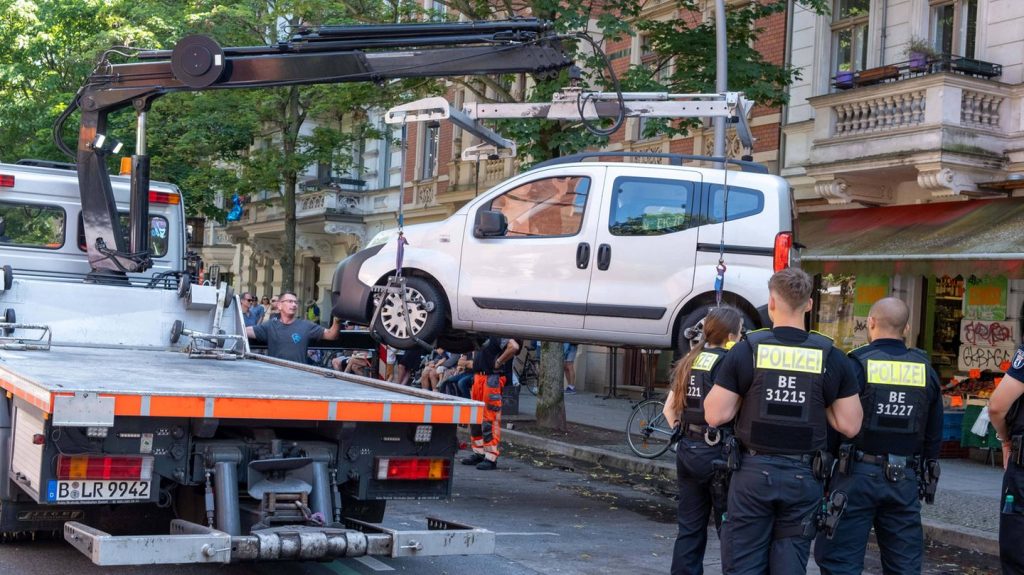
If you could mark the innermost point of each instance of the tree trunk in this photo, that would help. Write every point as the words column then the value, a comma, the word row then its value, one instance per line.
column 550, row 399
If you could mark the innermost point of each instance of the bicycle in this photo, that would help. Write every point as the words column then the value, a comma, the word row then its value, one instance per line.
column 527, row 370
column 647, row 432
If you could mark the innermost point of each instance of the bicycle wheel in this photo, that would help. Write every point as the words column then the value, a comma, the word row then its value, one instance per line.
column 647, row 432
column 526, row 371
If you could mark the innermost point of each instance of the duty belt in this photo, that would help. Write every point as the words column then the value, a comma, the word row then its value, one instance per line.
column 806, row 458
column 913, row 462
column 710, row 435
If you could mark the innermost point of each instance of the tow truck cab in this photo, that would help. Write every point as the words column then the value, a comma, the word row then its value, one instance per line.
column 41, row 210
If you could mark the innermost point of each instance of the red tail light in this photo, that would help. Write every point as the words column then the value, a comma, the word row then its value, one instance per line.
column 6, row 181
column 163, row 198
column 783, row 249
column 104, row 467
column 413, row 468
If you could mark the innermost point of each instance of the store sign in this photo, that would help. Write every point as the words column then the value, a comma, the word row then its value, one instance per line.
column 982, row 357
column 867, row 291
column 986, row 298
column 988, row 333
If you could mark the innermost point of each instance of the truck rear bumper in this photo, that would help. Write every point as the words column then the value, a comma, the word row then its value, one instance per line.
column 192, row 543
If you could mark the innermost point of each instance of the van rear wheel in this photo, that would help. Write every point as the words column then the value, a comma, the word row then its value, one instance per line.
column 422, row 318
column 691, row 331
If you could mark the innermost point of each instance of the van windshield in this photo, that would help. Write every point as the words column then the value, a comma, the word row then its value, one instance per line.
column 32, row 225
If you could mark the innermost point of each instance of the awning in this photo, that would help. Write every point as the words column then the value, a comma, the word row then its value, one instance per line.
column 981, row 237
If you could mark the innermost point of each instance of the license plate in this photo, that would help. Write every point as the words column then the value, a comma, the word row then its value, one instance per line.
column 97, row 490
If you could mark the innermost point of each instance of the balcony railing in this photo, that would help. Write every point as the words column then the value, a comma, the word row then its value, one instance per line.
column 917, row 67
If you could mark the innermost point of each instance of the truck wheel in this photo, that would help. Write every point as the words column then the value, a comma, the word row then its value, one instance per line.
column 426, row 311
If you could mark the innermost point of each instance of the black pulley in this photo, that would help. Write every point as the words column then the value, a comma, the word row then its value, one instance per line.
column 197, row 61
column 219, row 341
column 184, row 286
column 176, row 328
column 9, row 317
column 229, row 296
column 8, row 277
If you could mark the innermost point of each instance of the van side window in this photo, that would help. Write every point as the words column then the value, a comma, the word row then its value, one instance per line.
column 651, row 207
column 547, row 207
column 158, row 234
column 32, row 225
column 743, row 202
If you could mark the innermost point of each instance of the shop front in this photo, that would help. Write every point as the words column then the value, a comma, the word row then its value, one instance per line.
column 959, row 266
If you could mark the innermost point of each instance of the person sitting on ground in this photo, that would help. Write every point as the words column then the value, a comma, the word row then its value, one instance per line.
column 359, row 364
column 433, row 368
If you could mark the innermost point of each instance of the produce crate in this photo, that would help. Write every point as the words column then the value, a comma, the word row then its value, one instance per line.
column 952, row 425
column 953, row 450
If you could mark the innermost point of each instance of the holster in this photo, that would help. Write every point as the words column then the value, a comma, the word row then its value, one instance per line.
column 822, row 465
column 844, row 464
column 731, row 450
column 928, row 480
column 1016, row 456
column 895, row 468
column 721, row 475
column 832, row 508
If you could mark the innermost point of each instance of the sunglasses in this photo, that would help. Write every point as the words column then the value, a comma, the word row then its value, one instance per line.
column 250, row 299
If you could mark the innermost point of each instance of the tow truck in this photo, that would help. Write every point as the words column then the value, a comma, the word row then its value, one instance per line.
column 122, row 400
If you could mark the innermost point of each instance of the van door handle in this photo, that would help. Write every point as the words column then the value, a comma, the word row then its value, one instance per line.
column 604, row 256
column 582, row 255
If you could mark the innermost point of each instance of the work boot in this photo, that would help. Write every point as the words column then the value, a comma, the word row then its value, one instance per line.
column 474, row 459
column 487, row 465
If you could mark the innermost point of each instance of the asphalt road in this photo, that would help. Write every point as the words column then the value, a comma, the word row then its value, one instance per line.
column 550, row 517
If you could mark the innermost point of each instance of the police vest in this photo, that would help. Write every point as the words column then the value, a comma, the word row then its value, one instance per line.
column 702, row 377
column 783, row 412
column 895, row 401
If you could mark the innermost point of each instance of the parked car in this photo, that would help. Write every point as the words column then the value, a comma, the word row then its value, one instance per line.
column 613, row 253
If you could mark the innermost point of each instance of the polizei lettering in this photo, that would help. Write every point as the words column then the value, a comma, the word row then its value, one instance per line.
column 704, row 361
column 785, row 358
column 896, row 373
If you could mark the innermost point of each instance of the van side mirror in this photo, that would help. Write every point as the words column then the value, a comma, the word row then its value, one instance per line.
column 490, row 223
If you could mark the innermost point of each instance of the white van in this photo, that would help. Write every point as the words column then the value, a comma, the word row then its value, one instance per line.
column 610, row 253
column 41, row 207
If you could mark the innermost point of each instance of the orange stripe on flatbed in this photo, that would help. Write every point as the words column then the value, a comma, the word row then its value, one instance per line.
column 441, row 414
column 170, row 406
column 406, row 413
column 242, row 408
column 22, row 387
column 127, row 405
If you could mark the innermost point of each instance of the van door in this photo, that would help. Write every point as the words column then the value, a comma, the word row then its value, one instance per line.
column 646, row 250
column 538, row 272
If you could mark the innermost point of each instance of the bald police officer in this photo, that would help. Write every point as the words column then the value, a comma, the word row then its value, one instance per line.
column 898, row 444
column 784, row 386
column 1006, row 408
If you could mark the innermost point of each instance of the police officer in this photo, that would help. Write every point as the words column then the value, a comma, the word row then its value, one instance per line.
column 791, row 384
column 699, row 445
column 1007, row 413
column 880, row 470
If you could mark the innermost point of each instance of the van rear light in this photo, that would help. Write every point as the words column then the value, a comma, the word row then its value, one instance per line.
column 413, row 468
column 783, row 248
column 6, row 181
column 156, row 197
column 104, row 467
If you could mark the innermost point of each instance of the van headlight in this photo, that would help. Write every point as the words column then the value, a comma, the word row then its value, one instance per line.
column 383, row 237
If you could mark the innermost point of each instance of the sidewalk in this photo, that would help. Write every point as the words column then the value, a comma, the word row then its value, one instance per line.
column 965, row 513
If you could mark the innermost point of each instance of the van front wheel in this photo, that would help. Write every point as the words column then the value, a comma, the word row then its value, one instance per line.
column 421, row 316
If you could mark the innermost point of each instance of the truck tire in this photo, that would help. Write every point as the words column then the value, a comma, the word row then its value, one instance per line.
column 427, row 310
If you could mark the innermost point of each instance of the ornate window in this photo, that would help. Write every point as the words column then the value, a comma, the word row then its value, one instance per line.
column 850, row 35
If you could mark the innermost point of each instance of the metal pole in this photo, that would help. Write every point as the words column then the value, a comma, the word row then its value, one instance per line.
column 721, row 75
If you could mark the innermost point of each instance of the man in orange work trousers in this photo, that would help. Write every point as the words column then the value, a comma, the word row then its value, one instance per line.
column 492, row 368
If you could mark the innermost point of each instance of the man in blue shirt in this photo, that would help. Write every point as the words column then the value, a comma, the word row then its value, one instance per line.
column 289, row 337
column 251, row 312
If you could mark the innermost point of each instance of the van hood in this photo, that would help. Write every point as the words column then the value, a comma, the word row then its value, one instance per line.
column 415, row 233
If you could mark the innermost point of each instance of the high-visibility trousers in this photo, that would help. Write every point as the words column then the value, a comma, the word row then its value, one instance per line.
column 485, row 437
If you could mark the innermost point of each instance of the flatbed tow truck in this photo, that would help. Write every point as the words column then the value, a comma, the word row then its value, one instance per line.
column 122, row 399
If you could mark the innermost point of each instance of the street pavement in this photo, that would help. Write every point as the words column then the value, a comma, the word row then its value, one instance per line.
column 965, row 513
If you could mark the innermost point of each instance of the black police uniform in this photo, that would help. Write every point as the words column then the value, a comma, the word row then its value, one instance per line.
column 694, row 455
column 1011, row 520
column 902, row 400
column 786, row 377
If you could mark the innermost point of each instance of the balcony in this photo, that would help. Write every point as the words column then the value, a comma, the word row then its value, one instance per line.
column 944, row 128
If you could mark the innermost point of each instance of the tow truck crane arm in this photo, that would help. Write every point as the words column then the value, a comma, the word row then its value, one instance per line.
column 329, row 54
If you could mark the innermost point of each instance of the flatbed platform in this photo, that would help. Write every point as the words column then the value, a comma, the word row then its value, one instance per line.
column 170, row 384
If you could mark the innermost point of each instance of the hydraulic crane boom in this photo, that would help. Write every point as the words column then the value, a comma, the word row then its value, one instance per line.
column 330, row 54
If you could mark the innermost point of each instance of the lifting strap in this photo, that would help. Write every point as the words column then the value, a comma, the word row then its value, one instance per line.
column 721, row 267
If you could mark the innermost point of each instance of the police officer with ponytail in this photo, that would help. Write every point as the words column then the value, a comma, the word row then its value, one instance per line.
column 699, row 444
column 893, row 461
column 784, row 387
column 1006, row 409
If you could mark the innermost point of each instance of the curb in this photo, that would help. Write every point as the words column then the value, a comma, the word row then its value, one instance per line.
column 944, row 533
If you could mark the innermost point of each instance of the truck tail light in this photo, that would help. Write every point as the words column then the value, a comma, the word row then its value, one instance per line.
column 413, row 468
column 6, row 181
column 104, row 467
column 156, row 197
column 783, row 250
